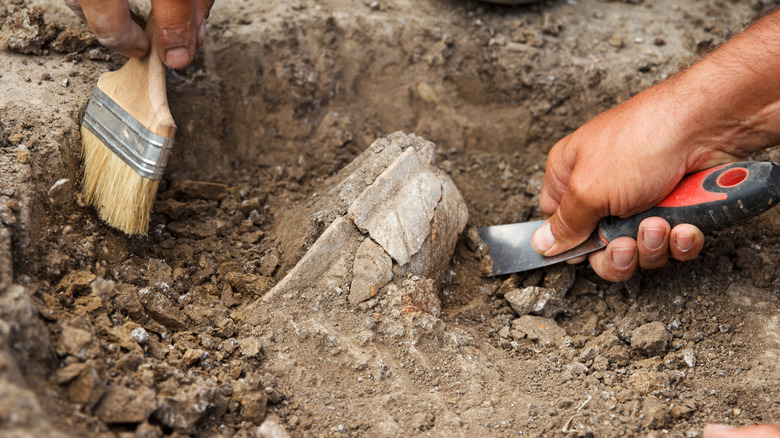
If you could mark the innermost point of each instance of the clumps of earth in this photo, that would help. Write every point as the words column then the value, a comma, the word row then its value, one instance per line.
column 313, row 265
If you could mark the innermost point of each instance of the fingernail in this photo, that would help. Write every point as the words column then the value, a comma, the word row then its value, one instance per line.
column 653, row 238
column 543, row 239
column 685, row 242
column 622, row 257
column 177, row 57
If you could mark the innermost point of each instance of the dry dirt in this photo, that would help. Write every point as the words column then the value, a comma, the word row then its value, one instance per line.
column 105, row 335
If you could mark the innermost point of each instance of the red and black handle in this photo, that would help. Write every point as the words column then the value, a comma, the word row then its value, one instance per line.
column 711, row 199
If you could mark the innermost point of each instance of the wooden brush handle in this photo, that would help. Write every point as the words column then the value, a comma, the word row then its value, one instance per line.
column 139, row 88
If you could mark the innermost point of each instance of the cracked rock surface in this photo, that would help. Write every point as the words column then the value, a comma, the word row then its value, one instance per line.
column 405, row 221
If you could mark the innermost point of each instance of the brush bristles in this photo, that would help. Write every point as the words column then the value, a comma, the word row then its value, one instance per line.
column 122, row 197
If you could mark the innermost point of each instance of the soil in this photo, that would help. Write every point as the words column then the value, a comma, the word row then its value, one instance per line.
column 106, row 335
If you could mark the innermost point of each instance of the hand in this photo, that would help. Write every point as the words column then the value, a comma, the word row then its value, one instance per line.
column 181, row 27
column 621, row 163
column 629, row 158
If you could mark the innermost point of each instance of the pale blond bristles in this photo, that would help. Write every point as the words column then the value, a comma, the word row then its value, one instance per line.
column 122, row 197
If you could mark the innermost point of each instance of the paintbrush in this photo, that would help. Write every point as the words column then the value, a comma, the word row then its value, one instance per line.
column 126, row 135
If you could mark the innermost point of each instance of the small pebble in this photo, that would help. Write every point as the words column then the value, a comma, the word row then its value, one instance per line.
column 140, row 335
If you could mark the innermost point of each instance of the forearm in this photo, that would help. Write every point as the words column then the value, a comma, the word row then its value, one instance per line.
column 730, row 100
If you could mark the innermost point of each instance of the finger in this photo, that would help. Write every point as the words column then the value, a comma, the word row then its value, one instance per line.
column 202, row 10
column 75, row 6
column 686, row 242
column 114, row 27
column 653, row 242
column 556, row 178
column 577, row 260
column 724, row 431
column 176, row 31
column 617, row 262
column 571, row 224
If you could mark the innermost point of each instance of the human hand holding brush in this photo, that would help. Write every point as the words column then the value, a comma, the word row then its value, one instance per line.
column 126, row 136
column 181, row 27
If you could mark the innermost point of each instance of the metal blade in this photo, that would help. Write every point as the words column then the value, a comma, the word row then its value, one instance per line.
column 511, row 251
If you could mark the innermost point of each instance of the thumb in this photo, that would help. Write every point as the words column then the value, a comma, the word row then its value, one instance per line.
column 176, row 32
column 570, row 225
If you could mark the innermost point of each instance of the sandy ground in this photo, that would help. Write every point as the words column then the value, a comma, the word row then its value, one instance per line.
column 105, row 335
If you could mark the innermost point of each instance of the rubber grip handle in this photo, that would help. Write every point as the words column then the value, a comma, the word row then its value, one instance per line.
column 711, row 199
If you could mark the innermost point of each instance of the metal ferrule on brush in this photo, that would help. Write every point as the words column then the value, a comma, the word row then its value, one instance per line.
column 143, row 150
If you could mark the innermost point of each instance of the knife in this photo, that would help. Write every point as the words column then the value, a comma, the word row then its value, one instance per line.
column 711, row 199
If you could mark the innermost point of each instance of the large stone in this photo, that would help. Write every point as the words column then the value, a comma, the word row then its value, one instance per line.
column 396, row 210
column 394, row 216
column 372, row 270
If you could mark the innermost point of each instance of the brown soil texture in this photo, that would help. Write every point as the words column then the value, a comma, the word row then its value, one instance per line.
column 105, row 335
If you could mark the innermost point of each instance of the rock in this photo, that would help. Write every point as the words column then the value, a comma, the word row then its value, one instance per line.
column 684, row 410
column 536, row 300
column 68, row 373
column 184, row 410
column 123, row 335
column 248, row 284
column 193, row 356
column 422, row 295
column 545, row 331
column 127, row 301
column 656, row 414
column 559, row 277
column 140, row 335
column 102, row 288
column 535, row 183
column 77, row 342
column 272, row 428
column 88, row 386
column 391, row 197
column 25, row 32
column 252, row 398
column 123, row 405
column 689, row 357
column 252, row 204
column 396, row 209
column 645, row 382
column 250, row 346
column 75, row 281
column 507, row 286
column 73, row 40
column 269, row 262
column 163, row 310
column 449, row 220
column 187, row 189
column 651, row 339
column 372, row 270
column 61, row 192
